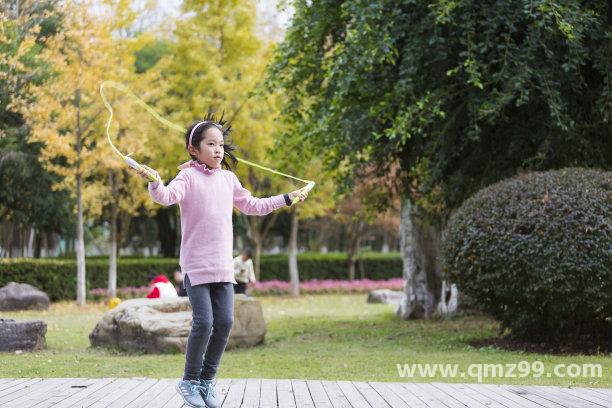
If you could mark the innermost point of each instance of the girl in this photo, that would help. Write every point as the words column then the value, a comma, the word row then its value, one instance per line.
column 206, row 194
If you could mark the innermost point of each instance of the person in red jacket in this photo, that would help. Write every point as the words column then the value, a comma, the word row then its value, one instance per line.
column 161, row 287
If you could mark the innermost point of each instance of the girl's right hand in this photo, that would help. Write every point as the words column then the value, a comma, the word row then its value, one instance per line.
column 143, row 174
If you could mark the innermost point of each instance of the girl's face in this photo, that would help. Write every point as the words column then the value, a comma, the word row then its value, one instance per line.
column 210, row 151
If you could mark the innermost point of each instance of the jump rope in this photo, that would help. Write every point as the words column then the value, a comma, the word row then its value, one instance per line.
column 151, row 176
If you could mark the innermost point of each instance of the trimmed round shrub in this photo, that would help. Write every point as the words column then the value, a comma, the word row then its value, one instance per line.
column 535, row 252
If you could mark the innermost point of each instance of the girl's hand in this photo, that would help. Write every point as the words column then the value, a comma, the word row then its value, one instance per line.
column 298, row 193
column 143, row 174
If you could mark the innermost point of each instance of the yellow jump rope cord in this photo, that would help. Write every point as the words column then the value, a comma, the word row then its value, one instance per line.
column 174, row 126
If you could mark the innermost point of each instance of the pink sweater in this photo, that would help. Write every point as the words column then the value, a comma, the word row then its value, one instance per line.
column 206, row 198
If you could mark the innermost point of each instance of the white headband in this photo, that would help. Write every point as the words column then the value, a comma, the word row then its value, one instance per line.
column 193, row 130
column 196, row 126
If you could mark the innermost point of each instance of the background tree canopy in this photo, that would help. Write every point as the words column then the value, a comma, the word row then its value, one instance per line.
column 461, row 93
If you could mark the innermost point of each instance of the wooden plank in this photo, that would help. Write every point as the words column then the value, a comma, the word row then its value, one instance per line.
column 335, row 395
column 503, row 396
column 440, row 395
column 250, row 398
column 73, row 392
column 233, row 399
column 531, row 396
column 148, row 396
column 12, row 382
column 605, row 392
column 301, row 393
column 318, row 394
column 353, row 396
column 175, row 401
column 468, row 396
column 267, row 395
column 125, row 385
column 556, row 396
column 141, row 389
column 37, row 393
column 371, row 395
column 425, row 397
column 596, row 398
column 59, row 393
column 284, row 392
column 222, row 387
column 8, row 394
column 168, row 391
column 388, row 394
column 408, row 397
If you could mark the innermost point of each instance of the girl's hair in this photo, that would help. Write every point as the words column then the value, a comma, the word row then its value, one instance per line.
column 198, row 136
column 248, row 252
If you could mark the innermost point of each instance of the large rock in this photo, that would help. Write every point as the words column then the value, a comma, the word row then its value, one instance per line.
column 163, row 325
column 392, row 297
column 21, row 296
column 28, row 335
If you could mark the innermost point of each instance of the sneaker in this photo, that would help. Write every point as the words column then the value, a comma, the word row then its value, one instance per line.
column 190, row 391
column 207, row 389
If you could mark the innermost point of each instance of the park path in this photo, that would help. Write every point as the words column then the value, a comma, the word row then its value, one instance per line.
column 266, row 393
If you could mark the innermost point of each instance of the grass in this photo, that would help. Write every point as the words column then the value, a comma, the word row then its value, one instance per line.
column 328, row 337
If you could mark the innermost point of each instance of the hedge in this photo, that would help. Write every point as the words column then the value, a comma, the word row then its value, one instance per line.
column 535, row 251
column 57, row 277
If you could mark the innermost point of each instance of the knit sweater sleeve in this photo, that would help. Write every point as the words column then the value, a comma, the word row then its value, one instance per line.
column 173, row 193
column 249, row 205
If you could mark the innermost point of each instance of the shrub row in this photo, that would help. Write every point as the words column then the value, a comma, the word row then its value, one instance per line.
column 57, row 277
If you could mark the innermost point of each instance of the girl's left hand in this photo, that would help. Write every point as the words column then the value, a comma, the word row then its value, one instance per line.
column 298, row 193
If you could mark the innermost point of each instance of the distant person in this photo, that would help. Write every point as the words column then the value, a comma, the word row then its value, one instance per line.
column 243, row 271
column 180, row 288
column 161, row 287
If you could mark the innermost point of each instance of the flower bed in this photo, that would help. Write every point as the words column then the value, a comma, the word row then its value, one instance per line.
column 278, row 287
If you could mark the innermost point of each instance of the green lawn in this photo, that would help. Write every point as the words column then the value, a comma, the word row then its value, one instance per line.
column 313, row 337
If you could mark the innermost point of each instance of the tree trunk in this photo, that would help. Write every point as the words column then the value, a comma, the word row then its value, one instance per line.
column 355, row 232
column 294, row 277
column 31, row 242
column 80, row 243
column 425, row 291
column 112, row 262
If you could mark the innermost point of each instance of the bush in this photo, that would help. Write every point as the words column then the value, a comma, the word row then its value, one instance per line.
column 57, row 277
column 535, row 251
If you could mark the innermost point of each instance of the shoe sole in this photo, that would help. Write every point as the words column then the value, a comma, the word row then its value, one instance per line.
column 176, row 387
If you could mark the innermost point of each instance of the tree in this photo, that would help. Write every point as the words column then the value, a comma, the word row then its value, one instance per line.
column 125, row 196
column 66, row 118
column 456, row 95
column 217, row 62
column 29, row 205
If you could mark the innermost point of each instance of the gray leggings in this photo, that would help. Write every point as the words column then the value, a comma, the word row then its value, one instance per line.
column 213, row 316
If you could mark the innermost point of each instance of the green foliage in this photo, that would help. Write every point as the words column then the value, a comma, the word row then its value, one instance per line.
column 474, row 90
column 56, row 276
column 28, row 198
column 535, row 251
column 150, row 53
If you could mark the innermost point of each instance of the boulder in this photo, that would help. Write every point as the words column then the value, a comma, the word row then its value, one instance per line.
column 163, row 325
column 249, row 327
column 29, row 335
column 21, row 296
column 392, row 297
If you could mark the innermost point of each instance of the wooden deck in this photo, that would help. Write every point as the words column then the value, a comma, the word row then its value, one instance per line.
column 257, row 393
